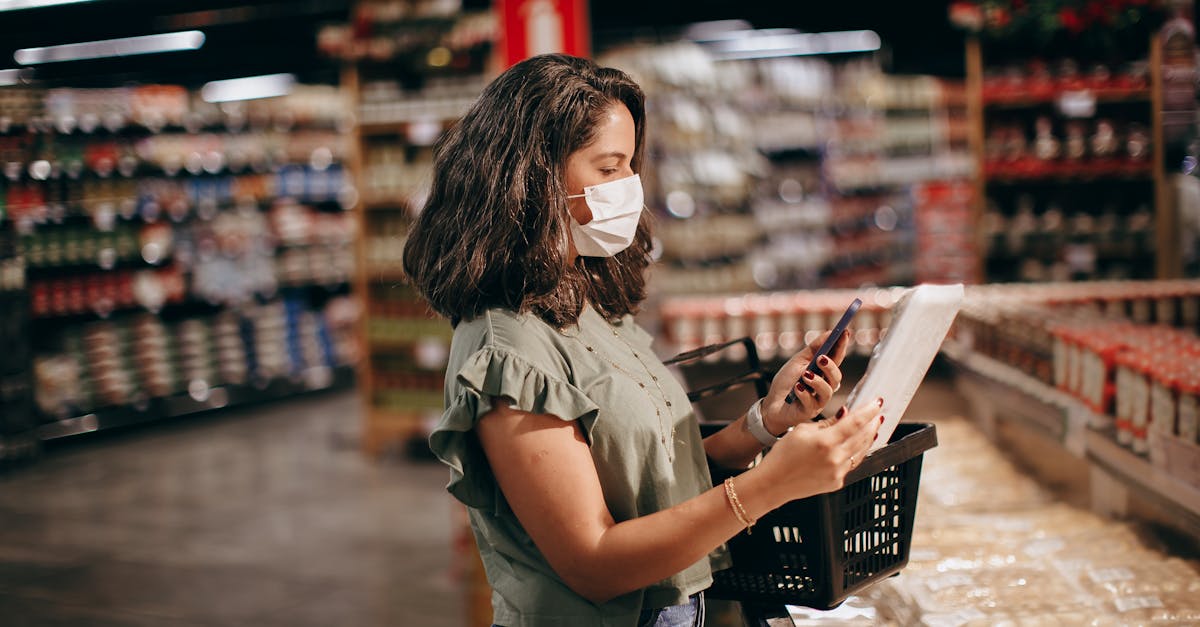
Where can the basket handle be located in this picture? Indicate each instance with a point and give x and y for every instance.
(753, 372)
(705, 351)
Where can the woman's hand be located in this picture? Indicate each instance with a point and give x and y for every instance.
(812, 391)
(814, 458)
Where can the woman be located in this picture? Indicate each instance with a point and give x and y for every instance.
(575, 450)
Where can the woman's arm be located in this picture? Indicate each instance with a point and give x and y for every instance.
(546, 473)
(735, 447)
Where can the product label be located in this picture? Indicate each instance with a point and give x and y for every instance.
(1141, 400)
(1060, 362)
(1162, 409)
(1128, 604)
(1073, 368)
(1189, 418)
(1109, 575)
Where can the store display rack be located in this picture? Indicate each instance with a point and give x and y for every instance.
(1104, 371)
(1000, 392)
(1072, 179)
(148, 218)
(411, 70)
(199, 400)
(16, 387)
(797, 172)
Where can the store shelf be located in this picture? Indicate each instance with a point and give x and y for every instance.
(1001, 392)
(407, 127)
(386, 275)
(1012, 394)
(219, 397)
(387, 205)
(1020, 117)
(1001, 174)
(1024, 99)
(1178, 498)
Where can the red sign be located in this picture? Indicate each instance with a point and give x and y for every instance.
(533, 27)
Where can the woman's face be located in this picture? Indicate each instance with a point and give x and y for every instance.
(606, 159)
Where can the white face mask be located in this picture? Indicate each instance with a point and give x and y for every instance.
(616, 207)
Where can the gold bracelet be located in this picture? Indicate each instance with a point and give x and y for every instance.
(736, 505)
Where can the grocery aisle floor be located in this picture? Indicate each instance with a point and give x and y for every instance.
(265, 515)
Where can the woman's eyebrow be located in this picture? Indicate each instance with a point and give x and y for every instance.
(609, 155)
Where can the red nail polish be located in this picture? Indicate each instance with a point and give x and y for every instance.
(841, 412)
(879, 401)
(810, 376)
(881, 419)
(824, 361)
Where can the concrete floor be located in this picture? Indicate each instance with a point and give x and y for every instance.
(266, 515)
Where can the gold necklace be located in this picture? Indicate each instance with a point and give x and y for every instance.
(666, 439)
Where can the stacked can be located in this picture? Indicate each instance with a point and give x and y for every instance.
(269, 323)
(152, 356)
(194, 352)
(232, 360)
(305, 347)
(107, 365)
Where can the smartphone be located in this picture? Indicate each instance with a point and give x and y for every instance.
(830, 342)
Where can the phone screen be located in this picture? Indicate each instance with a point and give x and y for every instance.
(830, 342)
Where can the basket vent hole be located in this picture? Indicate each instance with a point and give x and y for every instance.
(787, 535)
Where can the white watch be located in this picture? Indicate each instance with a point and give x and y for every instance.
(754, 422)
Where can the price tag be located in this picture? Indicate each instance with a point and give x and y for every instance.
(1077, 104)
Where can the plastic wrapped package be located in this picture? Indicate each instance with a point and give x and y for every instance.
(1034, 589)
(1172, 608)
(1138, 587)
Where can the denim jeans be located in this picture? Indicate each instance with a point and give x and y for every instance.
(690, 614)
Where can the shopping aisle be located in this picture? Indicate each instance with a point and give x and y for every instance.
(993, 545)
(265, 515)
(270, 515)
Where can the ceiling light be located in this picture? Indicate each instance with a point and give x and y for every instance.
(248, 88)
(10, 77)
(123, 47)
(774, 44)
(17, 5)
(716, 29)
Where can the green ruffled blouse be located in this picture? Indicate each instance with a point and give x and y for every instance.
(640, 428)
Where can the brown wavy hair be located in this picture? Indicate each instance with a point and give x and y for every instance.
(494, 230)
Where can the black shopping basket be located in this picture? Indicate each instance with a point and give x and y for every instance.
(816, 552)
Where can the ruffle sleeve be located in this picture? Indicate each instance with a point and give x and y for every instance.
(495, 373)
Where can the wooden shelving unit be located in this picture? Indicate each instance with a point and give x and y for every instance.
(1138, 103)
(403, 344)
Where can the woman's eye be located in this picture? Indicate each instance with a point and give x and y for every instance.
(608, 171)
